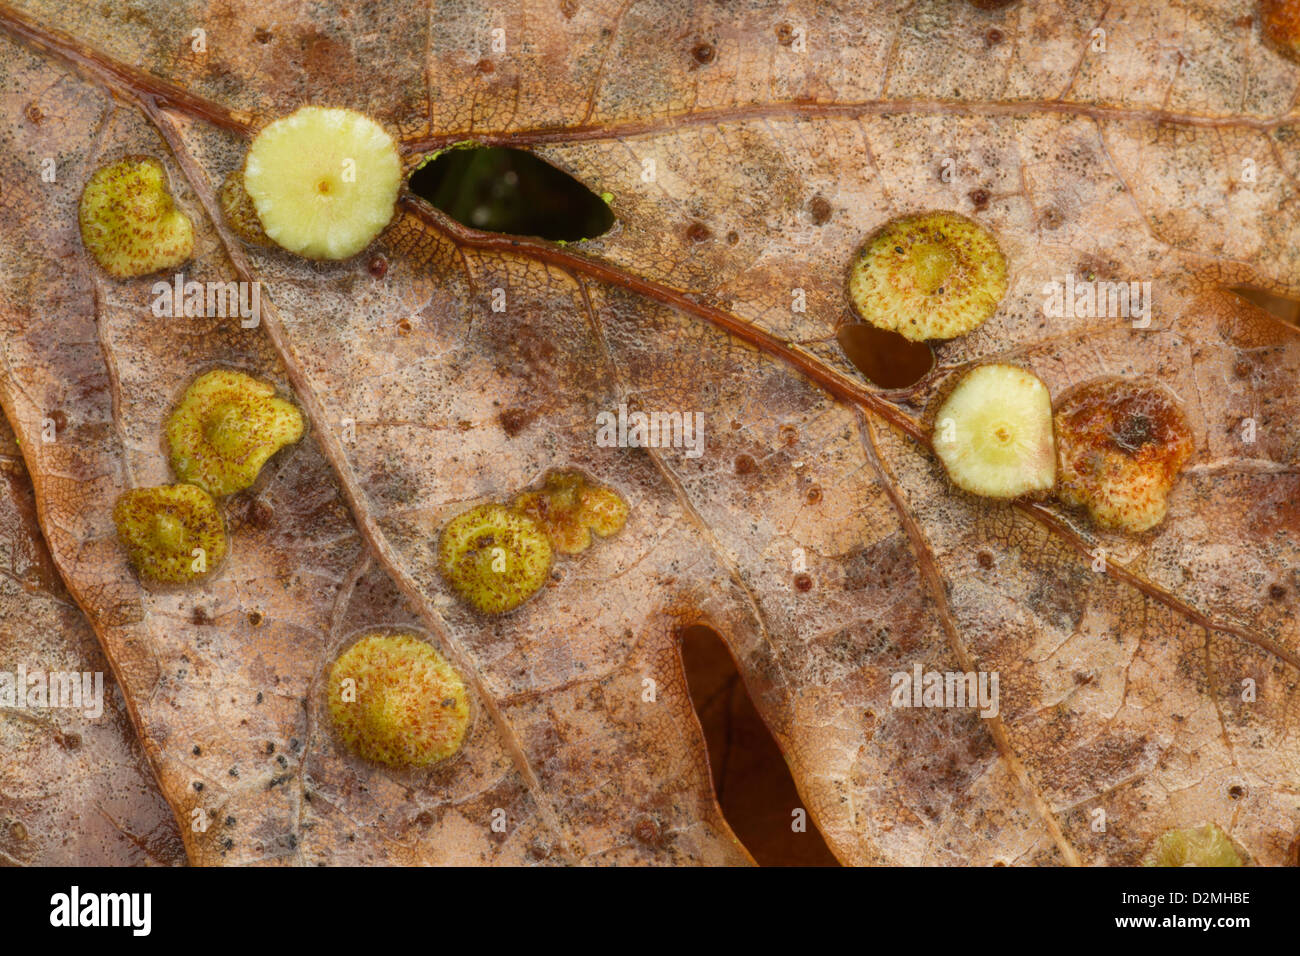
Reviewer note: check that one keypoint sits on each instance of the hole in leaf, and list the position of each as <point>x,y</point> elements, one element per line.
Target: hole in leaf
<point>1286,309</point>
<point>750,775</point>
<point>497,189</point>
<point>886,358</point>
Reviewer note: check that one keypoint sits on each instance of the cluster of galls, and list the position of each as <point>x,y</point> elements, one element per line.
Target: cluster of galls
<point>1114,447</point>
<point>219,436</point>
<point>321,183</point>
<point>495,557</point>
<point>393,698</point>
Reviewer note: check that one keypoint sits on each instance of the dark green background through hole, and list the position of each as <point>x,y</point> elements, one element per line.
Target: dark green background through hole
<point>497,189</point>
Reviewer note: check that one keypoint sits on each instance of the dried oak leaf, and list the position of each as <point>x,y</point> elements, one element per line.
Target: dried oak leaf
<point>75,787</point>
<point>1121,689</point>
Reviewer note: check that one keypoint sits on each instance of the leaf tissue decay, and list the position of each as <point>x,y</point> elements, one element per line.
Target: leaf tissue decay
<point>1087,679</point>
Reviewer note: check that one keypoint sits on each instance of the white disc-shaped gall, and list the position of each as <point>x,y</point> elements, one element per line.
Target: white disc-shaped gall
<point>994,435</point>
<point>324,181</point>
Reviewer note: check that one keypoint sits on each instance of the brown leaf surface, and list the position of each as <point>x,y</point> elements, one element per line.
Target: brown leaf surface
<point>75,787</point>
<point>1120,691</point>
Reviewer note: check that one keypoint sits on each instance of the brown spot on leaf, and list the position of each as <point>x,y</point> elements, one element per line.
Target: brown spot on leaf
<point>979,199</point>
<point>515,420</point>
<point>703,53</point>
<point>260,514</point>
<point>1282,26</point>
<point>697,232</point>
<point>647,831</point>
<point>745,465</point>
<point>819,209</point>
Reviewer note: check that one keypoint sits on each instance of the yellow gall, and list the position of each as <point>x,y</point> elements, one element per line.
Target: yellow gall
<point>570,510</point>
<point>993,433</point>
<point>1200,846</point>
<point>931,276</point>
<point>324,181</point>
<point>128,221</point>
<point>494,558</point>
<point>395,700</point>
<point>225,428</point>
<point>173,533</point>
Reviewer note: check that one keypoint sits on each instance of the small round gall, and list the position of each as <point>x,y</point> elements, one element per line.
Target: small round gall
<point>1121,445</point>
<point>128,221</point>
<point>993,433</point>
<point>395,700</point>
<point>931,276</point>
<point>324,181</point>
<point>494,558</point>
<point>225,428</point>
<point>173,534</point>
<point>569,509</point>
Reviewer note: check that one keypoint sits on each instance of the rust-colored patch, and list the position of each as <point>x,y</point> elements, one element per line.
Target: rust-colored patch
<point>698,232</point>
<point>647,831</point>
<point>515,420</point>
<point>570,509</point>
<point>1282,26</point>
<point>819,209</point>
<point>1121,445</point>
